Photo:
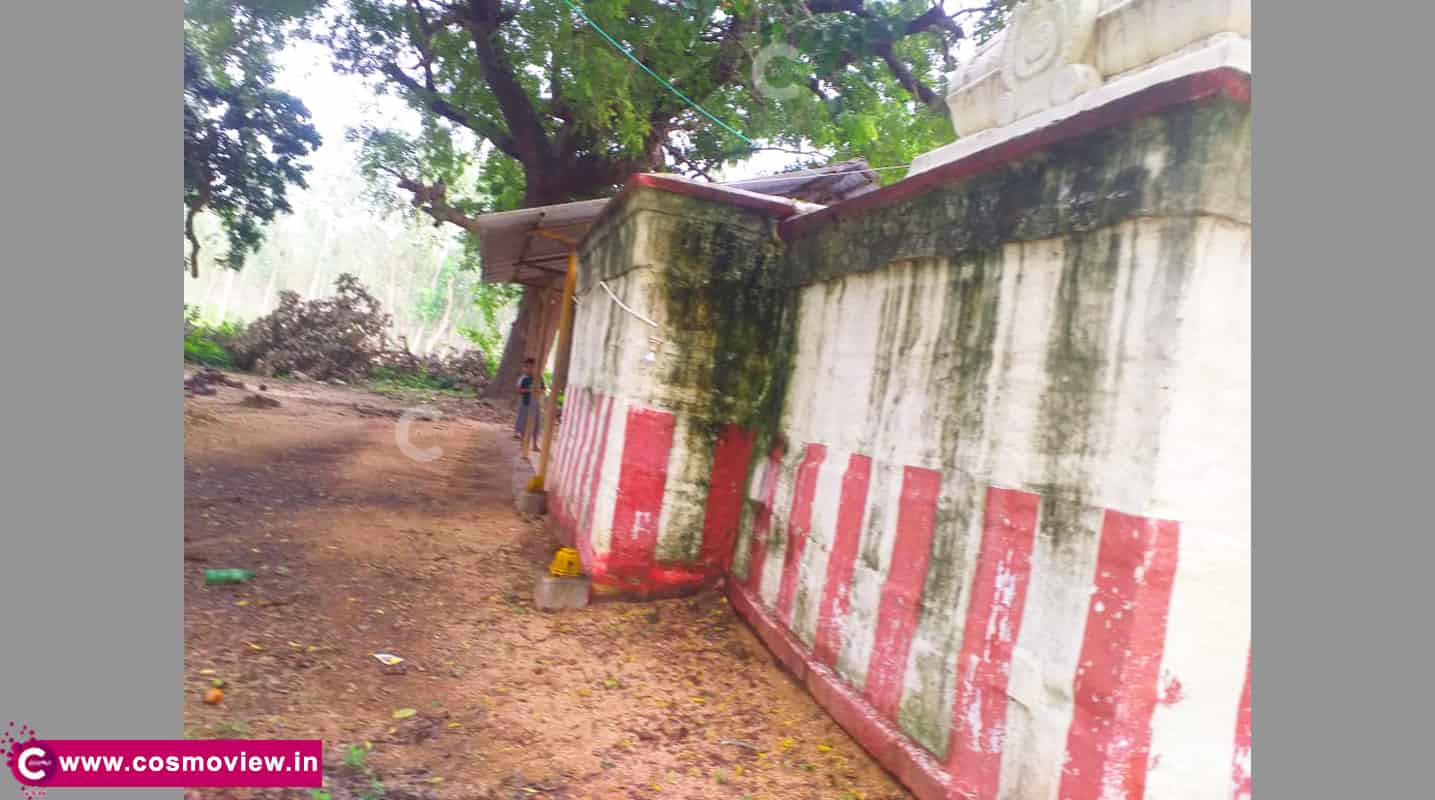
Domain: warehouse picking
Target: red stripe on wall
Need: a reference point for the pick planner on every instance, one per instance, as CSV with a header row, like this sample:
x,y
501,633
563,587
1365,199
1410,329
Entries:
x,y
642,477
571,427
577,453
912,764
593,470
851,507
1242,772
597,438
762,521
799,524
901,600
994,609
562,451
1109,742
560,492
723,512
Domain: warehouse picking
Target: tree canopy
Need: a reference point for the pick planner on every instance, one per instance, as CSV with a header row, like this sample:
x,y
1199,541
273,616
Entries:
x,y
244,140
566,114
566,98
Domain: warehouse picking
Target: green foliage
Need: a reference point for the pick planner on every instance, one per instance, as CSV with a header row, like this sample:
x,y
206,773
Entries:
x,y
992,21
566,115
489,343
244,141
563,113
208,344
357,758
491,299
429,305
391,379
501,183
200,350
851,103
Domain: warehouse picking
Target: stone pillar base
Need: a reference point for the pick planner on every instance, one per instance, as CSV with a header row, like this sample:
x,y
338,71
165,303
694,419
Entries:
x,y
553,593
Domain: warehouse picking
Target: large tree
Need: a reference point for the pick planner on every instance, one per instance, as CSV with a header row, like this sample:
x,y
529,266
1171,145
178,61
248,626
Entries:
x,y
563,113
244,140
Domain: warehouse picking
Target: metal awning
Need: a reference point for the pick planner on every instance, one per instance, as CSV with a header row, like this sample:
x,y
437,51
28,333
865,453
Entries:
x,y
824,185
528,245
519,246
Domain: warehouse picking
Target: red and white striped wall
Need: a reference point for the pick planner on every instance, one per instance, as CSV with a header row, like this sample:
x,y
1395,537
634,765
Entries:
x,y
1062,684
981,638
1059,680
611,491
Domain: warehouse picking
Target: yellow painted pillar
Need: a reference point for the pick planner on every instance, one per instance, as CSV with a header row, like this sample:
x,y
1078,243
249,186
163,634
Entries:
x,y
560,372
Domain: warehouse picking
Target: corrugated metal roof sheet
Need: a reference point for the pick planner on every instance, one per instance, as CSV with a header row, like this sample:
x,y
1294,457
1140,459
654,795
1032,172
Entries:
x,y
528,246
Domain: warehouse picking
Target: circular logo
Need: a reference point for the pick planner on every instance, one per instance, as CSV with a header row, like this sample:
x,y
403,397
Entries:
x,y
406,445
763,60
34,763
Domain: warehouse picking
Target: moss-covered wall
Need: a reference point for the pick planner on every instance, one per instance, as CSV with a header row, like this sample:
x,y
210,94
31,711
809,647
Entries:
x,y
1191,160
707,274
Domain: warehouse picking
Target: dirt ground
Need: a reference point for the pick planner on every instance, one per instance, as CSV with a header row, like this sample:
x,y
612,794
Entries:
x,y
360,549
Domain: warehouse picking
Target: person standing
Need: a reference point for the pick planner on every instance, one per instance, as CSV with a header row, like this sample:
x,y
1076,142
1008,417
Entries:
x,y
526,384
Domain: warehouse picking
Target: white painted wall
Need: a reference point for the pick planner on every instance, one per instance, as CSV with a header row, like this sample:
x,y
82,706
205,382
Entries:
x,y
1169,438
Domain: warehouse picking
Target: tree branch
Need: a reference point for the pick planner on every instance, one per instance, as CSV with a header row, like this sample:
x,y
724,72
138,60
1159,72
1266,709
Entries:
x,y
432,199
696,168
530,140
934,18
436,103
904,75
837,7
193,241
423,40
720,71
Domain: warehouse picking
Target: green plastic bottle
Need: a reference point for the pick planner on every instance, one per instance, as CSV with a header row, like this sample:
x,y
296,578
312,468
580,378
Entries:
x,y
227,575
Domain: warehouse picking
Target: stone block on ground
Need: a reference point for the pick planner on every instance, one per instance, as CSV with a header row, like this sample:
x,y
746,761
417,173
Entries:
x,y
552,592
533,502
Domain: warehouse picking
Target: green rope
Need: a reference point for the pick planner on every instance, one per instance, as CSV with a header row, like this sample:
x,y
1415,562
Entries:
x,y
625,51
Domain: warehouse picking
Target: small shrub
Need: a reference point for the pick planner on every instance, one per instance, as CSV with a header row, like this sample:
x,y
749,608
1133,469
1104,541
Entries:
x,y
357,758
451,371
207,344
200,350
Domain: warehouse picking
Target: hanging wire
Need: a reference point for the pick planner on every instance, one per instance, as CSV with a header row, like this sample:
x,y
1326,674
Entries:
x,y
660,79
624,306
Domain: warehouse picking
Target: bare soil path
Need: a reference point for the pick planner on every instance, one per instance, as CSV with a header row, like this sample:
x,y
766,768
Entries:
x,y
360,549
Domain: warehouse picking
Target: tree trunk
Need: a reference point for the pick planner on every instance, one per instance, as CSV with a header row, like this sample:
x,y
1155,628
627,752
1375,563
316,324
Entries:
x,y
525,340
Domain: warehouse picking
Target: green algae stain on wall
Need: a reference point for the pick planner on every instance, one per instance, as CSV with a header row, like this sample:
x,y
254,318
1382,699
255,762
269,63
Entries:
x,y
722,359
957,386
1188,160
